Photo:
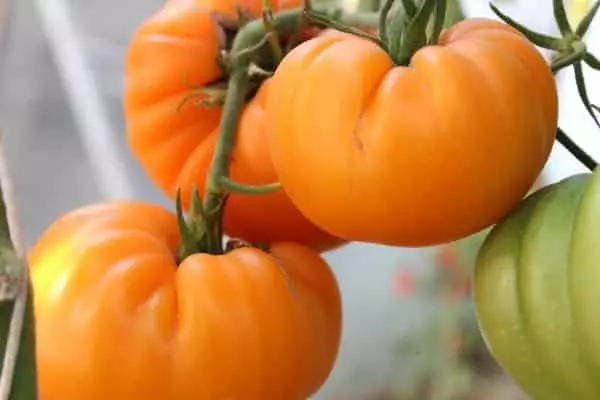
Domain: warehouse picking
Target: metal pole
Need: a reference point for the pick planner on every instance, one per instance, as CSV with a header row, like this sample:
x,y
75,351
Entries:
x,y
95,130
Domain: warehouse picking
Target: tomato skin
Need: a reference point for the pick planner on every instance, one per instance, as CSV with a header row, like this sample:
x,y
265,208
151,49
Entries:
x,y
116,318
412,156
536,290
175,148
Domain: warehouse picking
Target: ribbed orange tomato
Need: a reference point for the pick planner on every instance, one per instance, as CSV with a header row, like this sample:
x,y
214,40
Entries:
x,y
117,318
412,155
175,147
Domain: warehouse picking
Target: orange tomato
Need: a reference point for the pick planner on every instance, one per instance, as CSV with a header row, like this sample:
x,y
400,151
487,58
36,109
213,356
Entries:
x,y
117,318
412,155
175,148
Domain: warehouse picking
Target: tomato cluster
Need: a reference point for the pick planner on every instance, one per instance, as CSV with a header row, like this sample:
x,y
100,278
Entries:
x,y
370,142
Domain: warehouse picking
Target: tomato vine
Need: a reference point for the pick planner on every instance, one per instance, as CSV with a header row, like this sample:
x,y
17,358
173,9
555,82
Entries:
x,y
203,230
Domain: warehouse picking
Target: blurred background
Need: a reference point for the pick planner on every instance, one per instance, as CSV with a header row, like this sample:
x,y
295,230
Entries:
x,y
409,327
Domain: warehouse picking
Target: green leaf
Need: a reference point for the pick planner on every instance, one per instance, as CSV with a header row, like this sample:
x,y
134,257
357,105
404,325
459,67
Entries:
x,y
560,15
581,88
410,8
585,23
592,61
454,13
188,243
197,209
539,39
414,37
383,16
438,22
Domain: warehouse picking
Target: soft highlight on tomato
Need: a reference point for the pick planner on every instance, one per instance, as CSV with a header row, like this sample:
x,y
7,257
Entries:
x,y
412,155
117,318
171,52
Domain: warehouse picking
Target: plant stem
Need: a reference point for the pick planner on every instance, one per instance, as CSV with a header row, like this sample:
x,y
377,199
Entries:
x,y
319,18
575,150
248,37
234,187
268,25
18,377
572,147
234,101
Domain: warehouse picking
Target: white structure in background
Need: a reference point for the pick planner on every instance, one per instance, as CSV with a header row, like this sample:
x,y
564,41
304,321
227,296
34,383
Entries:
x,y
97,134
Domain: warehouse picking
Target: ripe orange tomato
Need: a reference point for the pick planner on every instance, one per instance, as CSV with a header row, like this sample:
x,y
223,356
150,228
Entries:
x,y
117,318
175,148
412,155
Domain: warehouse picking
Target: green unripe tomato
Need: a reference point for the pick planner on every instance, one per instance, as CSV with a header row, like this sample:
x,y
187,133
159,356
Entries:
x,y
537,291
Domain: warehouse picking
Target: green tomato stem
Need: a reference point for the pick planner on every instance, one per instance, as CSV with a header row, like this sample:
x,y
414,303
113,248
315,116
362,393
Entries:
x,y
581,155
592,61
189,243
585,23
577,152
568,58
235,187
321,19
539,39
234,101
250,36
581,88
560,15
268,25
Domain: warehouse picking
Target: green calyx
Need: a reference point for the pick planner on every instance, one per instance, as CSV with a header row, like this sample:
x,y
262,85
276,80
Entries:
x,y
280,32
202,231
569,49
407,29
411,25
405,26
